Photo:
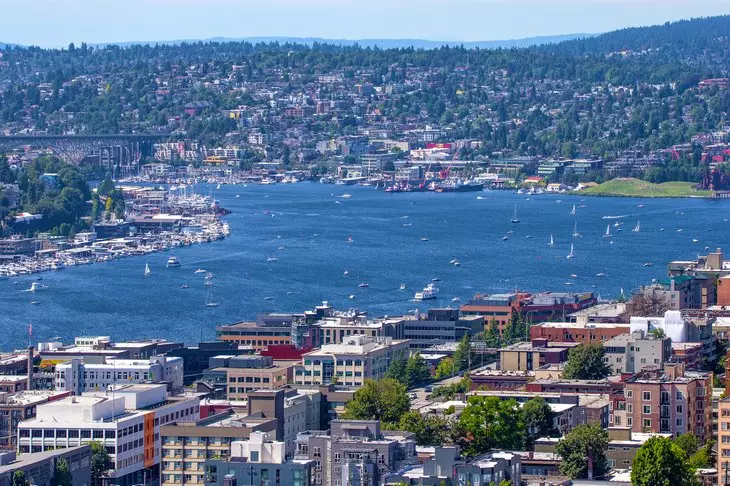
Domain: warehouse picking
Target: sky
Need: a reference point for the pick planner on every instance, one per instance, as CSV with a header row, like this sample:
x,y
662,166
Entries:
x,y
55,23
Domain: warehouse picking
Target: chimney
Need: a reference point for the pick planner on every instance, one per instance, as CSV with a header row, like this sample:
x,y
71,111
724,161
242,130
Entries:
x,y
29,384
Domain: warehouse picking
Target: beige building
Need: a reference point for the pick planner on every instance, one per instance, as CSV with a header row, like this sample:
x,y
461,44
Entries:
x,y
631,353
351,362
247,373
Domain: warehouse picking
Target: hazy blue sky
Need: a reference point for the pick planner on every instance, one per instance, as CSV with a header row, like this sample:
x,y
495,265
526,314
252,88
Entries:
x,y
58,22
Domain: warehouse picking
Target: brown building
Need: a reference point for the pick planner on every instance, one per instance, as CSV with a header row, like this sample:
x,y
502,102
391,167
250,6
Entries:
x,y
578,332
256,335
262,373
499,308
723,291
531,356
671,401
500,380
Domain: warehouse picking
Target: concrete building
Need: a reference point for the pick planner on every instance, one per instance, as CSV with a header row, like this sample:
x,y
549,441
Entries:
x,y
244,374
196,358
712,264
498,308
126,421
672,401
335,328
259,334
680,329
78,377
259,460
355,452
631,353
351,362
440,326
683,291
17,407
530,356
39,468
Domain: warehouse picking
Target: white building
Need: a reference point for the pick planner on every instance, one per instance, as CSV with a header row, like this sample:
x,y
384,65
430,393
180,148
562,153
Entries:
x,y
126,421
672,324
78,377
259,448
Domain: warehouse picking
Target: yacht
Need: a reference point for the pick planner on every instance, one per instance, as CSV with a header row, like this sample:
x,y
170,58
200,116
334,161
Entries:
x,y
147,270
209,302
427,293
571,255
552,242
608,231
173,262
637,228
575,230
514,216
34,287
572,212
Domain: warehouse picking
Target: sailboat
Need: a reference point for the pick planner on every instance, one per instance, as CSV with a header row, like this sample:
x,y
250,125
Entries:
x,y
575,230
571,255
514,217
608,231
637,228
218,186
552,243
147,270
209,302
572,212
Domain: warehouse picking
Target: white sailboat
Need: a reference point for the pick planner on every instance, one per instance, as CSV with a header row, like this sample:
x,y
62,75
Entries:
x,y
571,255
572,212
608,231
575,230
637,228
218,186
552,242
147,270
209,302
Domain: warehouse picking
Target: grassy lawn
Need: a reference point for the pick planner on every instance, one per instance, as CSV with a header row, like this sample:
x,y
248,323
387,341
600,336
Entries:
x,y
638,188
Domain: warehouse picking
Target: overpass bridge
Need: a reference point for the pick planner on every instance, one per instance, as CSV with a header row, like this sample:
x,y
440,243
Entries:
x,y
120,153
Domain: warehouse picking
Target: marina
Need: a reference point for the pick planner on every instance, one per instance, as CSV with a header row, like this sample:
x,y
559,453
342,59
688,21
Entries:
x,y
308,235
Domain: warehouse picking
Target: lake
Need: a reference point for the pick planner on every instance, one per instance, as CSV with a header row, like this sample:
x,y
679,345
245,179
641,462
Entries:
x,y
308,227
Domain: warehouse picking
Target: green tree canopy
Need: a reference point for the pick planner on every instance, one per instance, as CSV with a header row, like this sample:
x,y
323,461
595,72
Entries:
x,y
19,478
586,444
463,353
489,423
660,462
397,370
416,370
429,431
62,473
100,462
445,368
385,400
538,418
585,362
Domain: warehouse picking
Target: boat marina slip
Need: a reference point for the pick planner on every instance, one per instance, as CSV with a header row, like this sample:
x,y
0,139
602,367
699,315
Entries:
x,y
292,246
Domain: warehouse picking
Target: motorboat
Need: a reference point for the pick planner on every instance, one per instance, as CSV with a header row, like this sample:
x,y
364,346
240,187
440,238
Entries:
x,y
200,270
173,262
364,285
429,292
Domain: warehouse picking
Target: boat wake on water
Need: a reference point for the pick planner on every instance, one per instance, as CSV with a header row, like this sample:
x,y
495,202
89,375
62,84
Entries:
x,y
616,217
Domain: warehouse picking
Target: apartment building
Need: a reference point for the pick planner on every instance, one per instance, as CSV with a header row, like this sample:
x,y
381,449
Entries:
x,y
440,326
126,420
670,400
259,460
258,335
355,452
631,353
334,329
500,308
581,331
530,356
350,363
78,377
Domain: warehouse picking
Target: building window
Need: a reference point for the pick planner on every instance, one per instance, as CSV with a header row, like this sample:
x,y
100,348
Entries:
x,y
629,394
647,423
646,396
647,409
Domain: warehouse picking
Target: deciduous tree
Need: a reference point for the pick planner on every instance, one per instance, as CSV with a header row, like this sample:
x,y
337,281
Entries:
x,y
385,400
585,362
660,462
582,448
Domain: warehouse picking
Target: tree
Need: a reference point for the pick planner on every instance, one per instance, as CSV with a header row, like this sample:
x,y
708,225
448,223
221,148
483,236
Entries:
x,y
489,423
100,462
19,479
416,370
585,362
586,444
660,462
429,430
385,400
62,473
648,304
463,353
398,370
538,417
445,368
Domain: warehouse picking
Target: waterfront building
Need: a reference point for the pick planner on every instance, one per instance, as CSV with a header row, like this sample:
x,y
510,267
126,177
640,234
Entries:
x,y
582,332
712,264
545,306
78,377
339,325
259,460
695,291
670,400
350,363
39,468
532,355
631,353
355,452
126,420
96,349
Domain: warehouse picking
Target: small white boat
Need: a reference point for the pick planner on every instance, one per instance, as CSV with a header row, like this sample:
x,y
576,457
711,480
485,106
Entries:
x,y
345,273
607,234
346,196
515,219
147,270
572,212
402,286
200,270
637,228
173,262
695,240
505,238
571,255
457,263
575,230
272,259
456,299
209,302
424,238
427,293
34,302
218,186
600,274
552,242
648,264
351,296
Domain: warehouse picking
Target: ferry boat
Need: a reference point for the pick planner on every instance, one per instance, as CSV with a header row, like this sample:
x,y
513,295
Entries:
x,y
427,293
173,262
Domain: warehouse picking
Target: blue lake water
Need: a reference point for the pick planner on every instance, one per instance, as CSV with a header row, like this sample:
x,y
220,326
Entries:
x,y
313,224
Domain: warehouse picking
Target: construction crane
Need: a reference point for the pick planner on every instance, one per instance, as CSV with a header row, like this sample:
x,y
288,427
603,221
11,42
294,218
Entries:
x,y
446,173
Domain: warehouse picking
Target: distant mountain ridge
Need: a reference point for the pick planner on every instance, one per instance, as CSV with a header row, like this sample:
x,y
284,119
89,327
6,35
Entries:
x,y
380,43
